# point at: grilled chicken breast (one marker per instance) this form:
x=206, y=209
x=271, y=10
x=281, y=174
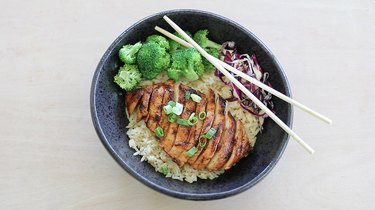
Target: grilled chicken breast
x=210, y=113
x=211, y=146
x=195, y=130
x=168, y=96
x=155, y=107
x=237, y=147
x=225, y=147
x=229, y=144
x=183, y=132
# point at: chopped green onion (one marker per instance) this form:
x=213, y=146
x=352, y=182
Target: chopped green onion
x=202, y=115
x=183, y=122
x=192, y=115
x=210, y=133
x=195, y=98
x=172, y=103
x=191, y=152
x=202, y=141
x=178, y=109
x=172, y=117
x=167, y=109
x=187, y=95
x=159, y=132
x=164, y=169
x=192, y=119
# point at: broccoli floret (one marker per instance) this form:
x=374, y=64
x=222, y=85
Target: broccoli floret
x=201, y=38
x=175, y=46
x=186, y=63
x=128, y=52
x=175, y=73
x=128, y=77
x=194, y=61
x=160, y=40
x=152, y=59
x=178, y=65
x=207, y=64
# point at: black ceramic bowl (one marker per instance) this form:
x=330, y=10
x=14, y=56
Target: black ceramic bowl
x=108, y=109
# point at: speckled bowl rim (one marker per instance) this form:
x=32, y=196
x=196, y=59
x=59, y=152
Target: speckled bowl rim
x=178, y=194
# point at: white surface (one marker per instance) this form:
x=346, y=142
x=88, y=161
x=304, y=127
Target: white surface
x=51, y=157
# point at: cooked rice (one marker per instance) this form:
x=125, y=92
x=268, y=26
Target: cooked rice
x=146, y=145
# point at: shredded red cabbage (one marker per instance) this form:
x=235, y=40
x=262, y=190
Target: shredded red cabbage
x=250, y=66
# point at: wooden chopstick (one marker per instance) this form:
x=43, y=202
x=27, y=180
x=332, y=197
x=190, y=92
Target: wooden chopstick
x=251, y=79
x=240, y=86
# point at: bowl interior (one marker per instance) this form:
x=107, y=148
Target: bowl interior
x=108, y=109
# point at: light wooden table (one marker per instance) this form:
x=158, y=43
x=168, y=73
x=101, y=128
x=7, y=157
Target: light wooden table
x=51, y=157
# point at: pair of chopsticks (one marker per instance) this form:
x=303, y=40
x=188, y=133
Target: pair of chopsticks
x=222, y=66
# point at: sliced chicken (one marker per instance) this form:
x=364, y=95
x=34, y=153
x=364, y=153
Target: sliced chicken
x=210, y=114
x=218, y=124
x=155, y=107
x=226, y=147
x=132, y=99
x=143, y=106
x=245, y=146
x=182, y=137
x=168, y=96
x=170, y=135
x=195, y=130
x=237, y=147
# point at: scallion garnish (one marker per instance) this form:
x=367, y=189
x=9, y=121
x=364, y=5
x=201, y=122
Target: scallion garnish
x=210, y=133
x=167, y=109
x=164, y=169
x=187, y=95
x=202, y=141
x=183, y=122
x=159, y=132
x=202, y=115
x=191, y=151
x=172, y=117
x=192, y=119
x=195, y=98
x=172, y=103
x=178, y=109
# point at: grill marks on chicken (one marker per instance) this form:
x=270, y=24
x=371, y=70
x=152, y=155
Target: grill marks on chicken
x=143, y=107
x=218, y=123
x=222, y=151
x=183, y=132
x=237, y=147
x=133, y=100
x=168, y=96
x=195, y=130
x=170, y=134
x=210, y=114
x=155, y=107
x=225, y=147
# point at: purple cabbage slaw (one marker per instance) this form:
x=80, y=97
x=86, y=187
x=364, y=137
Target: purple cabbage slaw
x=250, y=66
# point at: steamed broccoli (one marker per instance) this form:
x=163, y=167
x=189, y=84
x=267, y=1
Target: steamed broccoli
x=128, y=52
x=186, y=63
x=174, y=46
x=207, y=64
x=152, y=59
x=201, y=38
x=160, y=40
x=128, y=77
